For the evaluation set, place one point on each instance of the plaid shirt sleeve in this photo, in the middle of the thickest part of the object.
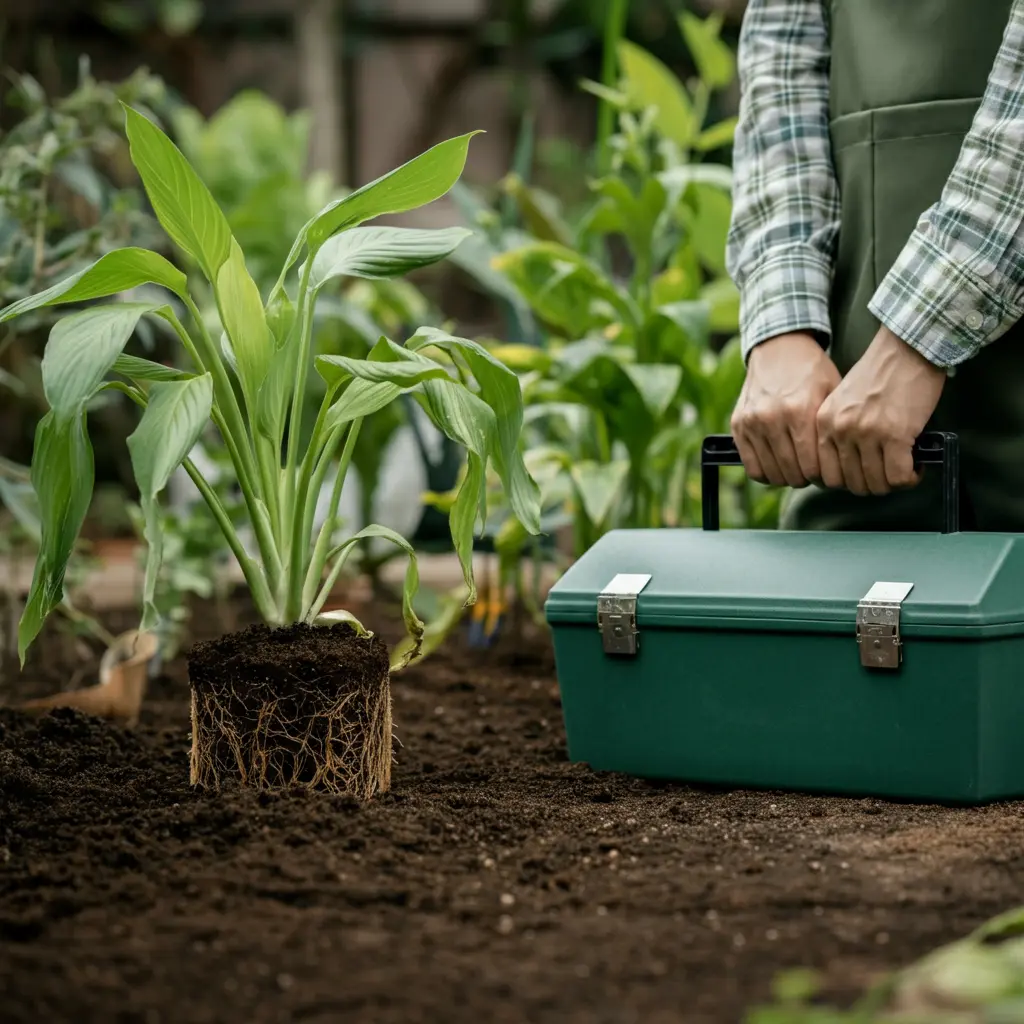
(785, 219)
(958, 284)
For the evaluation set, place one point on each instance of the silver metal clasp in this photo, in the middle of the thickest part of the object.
(878, 625)
(616, 613)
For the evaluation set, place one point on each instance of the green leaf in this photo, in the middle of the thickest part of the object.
(62, 477)
(82, 349)
(421, 180)
(693, 318)
(361, 398)
(717, 136)
(723, 301)
(715, 61)
(657, 383)
(405, 652)
(564, 288)
(652, 85)
(111, 274)
(380, 252)
(245, 323)
(709, 224)
(501, 390)
(406, 374)
(181, 202)
(136, 368)
(599, 485)
(175, 417)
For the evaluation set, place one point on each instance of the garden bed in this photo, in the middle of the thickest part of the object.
(495, 882)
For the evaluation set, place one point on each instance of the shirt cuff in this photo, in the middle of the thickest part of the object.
(938, 307)
(787, 292)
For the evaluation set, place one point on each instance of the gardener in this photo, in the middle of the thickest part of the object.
(878, 244)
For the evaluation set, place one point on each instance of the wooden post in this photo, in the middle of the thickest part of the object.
(318, 28)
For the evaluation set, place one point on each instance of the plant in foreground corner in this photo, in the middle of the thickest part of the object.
(250, 382)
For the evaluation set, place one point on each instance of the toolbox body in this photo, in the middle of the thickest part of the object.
(856, 663)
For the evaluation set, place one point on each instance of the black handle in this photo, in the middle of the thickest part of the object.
(935, 448)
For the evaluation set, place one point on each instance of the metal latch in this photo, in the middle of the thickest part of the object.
(878, 625)
(616, 613)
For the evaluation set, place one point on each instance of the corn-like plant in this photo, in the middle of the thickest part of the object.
(250, 383)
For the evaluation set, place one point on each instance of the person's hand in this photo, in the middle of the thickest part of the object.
(868, 425)
(774, 423)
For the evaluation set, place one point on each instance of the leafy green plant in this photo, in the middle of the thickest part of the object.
(640, 360)
(251, 154)
(250, 382)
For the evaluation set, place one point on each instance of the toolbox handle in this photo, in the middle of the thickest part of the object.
(933, 448)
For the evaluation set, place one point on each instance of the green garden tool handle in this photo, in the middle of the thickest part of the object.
(934, 448)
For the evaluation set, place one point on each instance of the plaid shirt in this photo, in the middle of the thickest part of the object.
(957, 285)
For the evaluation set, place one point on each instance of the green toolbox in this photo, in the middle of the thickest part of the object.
(860, 663)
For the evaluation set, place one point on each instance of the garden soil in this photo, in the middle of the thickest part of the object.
(495, 882)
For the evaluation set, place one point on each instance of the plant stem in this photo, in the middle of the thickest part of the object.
(237, 440)
(291, 466)
(257, 582)
(305, 499)
(323, 542)
(614, 29)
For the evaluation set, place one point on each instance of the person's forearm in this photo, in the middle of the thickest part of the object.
(958, 284)
(785, 200)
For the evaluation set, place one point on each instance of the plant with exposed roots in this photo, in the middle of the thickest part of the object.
(289, 718)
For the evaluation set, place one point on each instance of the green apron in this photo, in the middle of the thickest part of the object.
(907, 77)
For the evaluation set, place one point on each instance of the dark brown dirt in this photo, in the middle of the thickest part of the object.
(494, 883)
(299, 705)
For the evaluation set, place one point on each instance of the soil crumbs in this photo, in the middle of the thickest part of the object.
(496, 882)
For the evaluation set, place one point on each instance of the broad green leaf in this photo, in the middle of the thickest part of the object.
(136, 368)
(423, 179)
(715, 61)
(111, 274)
(693, 318)
(711, 212)
(361, 398)
(652, 85)
(380, 252)
(564, 288)
(82, 349)
(717, 136)
(599, 485)
(657, 383)
(404, 653)
(406, 374)
(181, 202)
(245, 323)
(175, 417)
(470, 422)
(62, 477)
(501, 390)
(723, 301)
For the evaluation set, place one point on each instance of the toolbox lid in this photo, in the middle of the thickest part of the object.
(963, 583)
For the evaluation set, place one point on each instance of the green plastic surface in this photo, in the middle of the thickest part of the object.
(748, 670)
(964, 584)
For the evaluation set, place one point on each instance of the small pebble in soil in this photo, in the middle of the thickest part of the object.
(488, 863)
(506, 924)
(882, 938)
(507, 899)
(771, 935)
(844, 865)
(613, 854)
(285, 982)
(739, 941)
(602, 911)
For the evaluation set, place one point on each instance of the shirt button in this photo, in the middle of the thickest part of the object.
(974, 320)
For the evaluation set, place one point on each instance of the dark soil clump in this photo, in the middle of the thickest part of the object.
(495, 881)
(296, 705)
